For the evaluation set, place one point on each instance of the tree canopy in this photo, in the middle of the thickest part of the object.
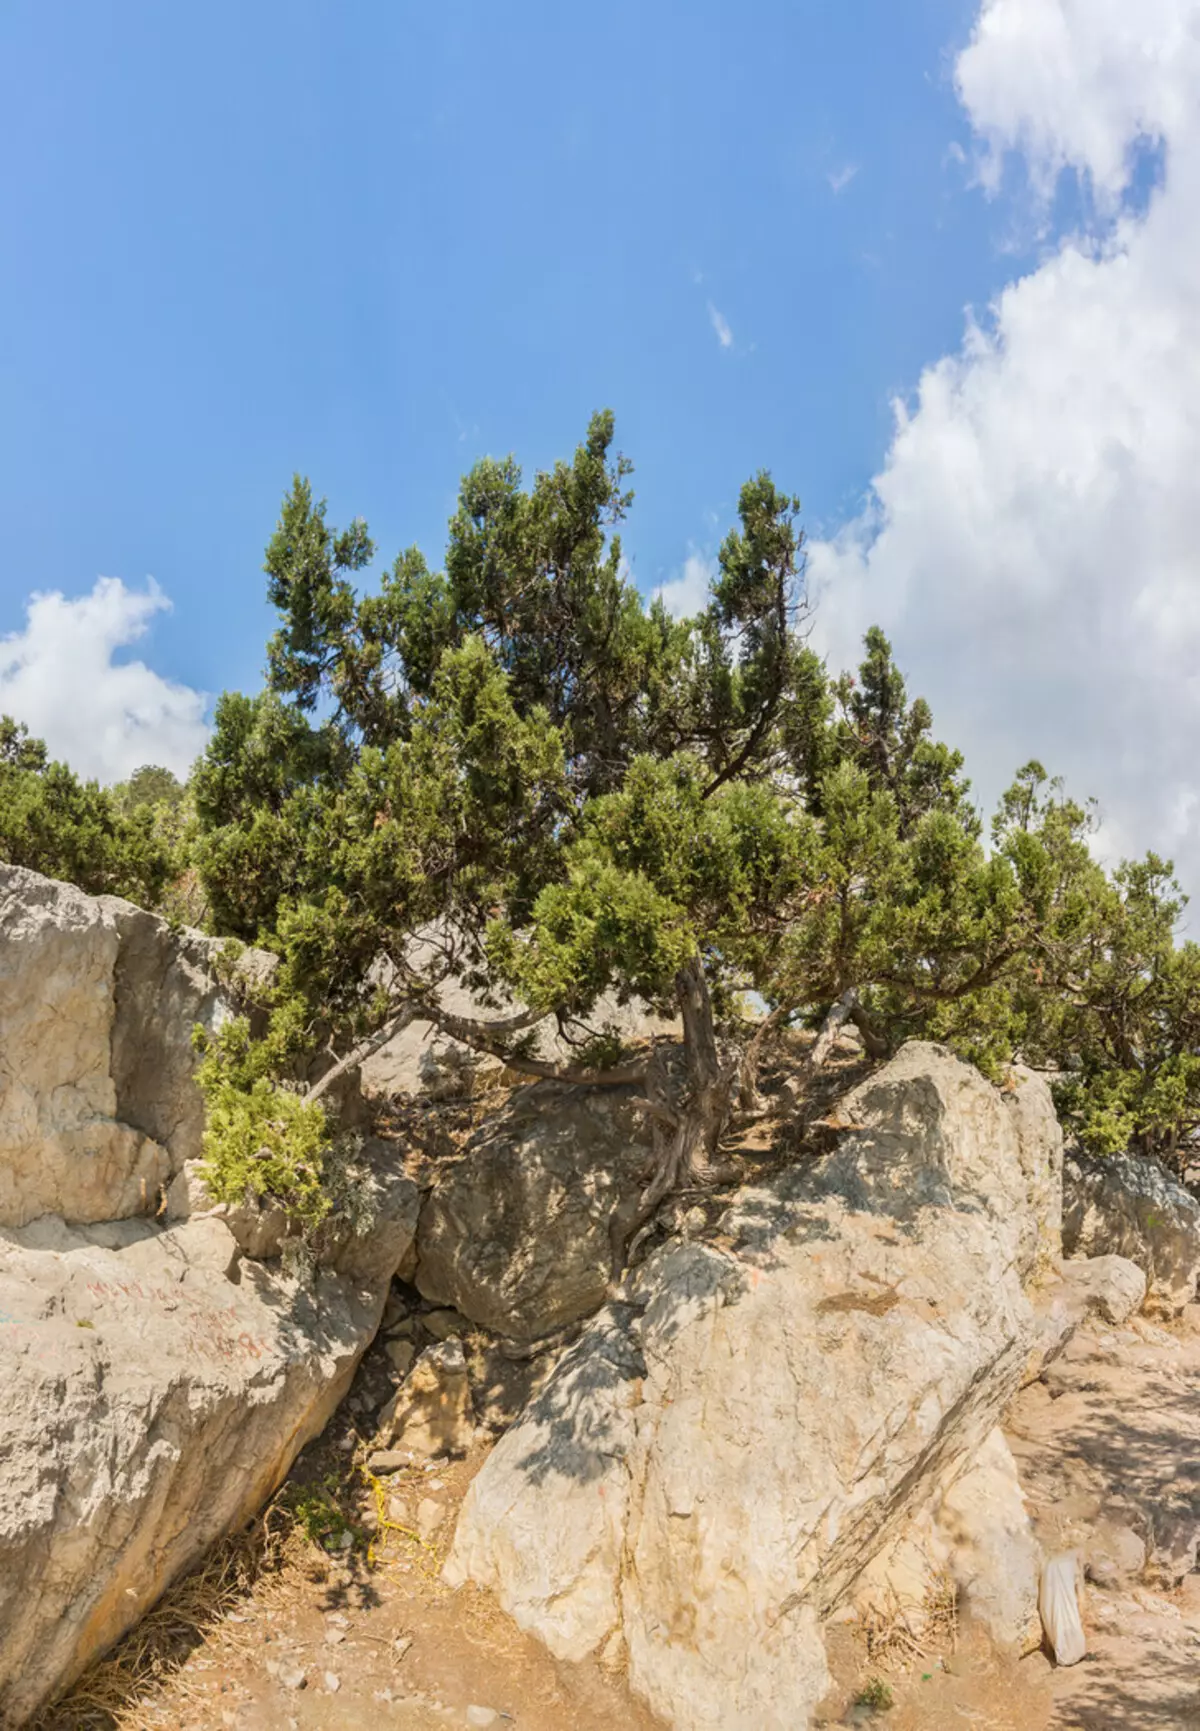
(52, 822)
(517, 772)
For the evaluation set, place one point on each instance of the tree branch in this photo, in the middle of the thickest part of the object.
(832, 1026)
(380, 1037)
(488, 1037)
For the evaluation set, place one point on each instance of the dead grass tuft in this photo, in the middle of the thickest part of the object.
(117, 1692)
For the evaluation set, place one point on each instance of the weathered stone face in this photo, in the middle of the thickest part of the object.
(98, 1000)
(156, 1390)
(715, 1462)
(1125, 1206)
(156, 1385)
(514, 1234)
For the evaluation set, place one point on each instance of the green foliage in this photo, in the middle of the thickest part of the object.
(52, 822)
(319, 1513)
(150, 785)
(517, 773)
(876, 1695)
(263, 1142)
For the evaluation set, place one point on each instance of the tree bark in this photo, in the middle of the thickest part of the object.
(873, 1041)
(687, 1133)
(832, 1026)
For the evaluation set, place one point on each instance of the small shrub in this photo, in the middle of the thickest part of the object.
(876, 1695)
(262, 1142)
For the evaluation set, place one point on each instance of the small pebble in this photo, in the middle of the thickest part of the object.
(482, 1717)
(333, 1637)
(332, 1682)
(401, 1645)
(292, 1677)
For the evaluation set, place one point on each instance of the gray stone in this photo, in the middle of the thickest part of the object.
(1130, 1207)
(383, 1461)
(432, 1415)
(1114, 1555)
(400, 1355)
(714, 1462)
(994, 1558)
(443, 1324)
(1106, 1286)
(514, 1234)
(151, 1404)
(99, 1114)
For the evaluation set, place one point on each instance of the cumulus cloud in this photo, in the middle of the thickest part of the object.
(688, 593)
(720, 325)
(1032, 541)
(102, 715)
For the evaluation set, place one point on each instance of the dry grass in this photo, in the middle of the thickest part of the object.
(117, 1692)
(898, 1635)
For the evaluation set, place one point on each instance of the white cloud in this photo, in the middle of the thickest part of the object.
(104, 717)
(840, 179)
(1077, 83)
(720, 325)
(688, 593)
(1033, 540)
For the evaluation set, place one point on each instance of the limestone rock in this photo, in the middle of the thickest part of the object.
(98, 999)
(1114, 1554)
(929, 1130)
(716, 1460)
(156, 1389)
(1130, 1207)
(1111, 1287)
(432, 1413)
(994, 1557)
(1030, 1104)
(400, 1355)
(1107, 1286)
(515, 1232)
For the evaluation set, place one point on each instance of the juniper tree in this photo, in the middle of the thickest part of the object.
(53, 822)
(518, 772)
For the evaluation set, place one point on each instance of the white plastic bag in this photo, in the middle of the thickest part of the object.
(1058, 1604)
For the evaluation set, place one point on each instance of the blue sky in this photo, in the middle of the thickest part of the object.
(373, 241)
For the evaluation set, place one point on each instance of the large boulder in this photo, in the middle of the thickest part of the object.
(718, 1458)
(157, 1387)
(993, 1557)
(927, 1129)
(1123, 1205)
(98, 1000)
(514, 1233)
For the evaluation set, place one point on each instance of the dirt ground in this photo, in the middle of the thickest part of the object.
(332, 1612)
(300, 1634)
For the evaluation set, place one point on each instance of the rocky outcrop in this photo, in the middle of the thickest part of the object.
(718, 1458)
(157, 1387)
(157, 1384)
(98, 1000)
(514, 1233)
(1126, 1206)
(1106, 1286)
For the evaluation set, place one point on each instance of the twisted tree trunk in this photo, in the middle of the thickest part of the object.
(687, 1133)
